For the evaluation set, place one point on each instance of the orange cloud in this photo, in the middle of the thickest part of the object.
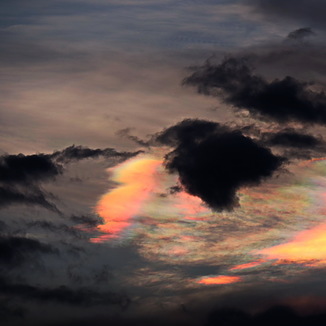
(248, 265)
(222, 279)
(137, 182)
(308, 247)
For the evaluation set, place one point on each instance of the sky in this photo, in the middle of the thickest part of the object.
(162, 162)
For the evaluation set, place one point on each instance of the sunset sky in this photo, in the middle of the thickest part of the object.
(163, 162)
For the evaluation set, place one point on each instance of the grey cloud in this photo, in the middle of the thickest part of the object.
(75, 153)
(91, 221)
(15, 251)
(63, 294)
(292, 138)
(33, 195)
(306, 11)
(301, 33)
(283, 100)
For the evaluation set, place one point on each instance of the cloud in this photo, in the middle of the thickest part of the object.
(32, 195)
(16, 250)
(75, 153)
(126, 133)
(8, 311)
(62, 294)
(213, 161)
(295, 143)
(21, 175)
(300, 33)
(280, 315)
(26, 169)
(55, 228)
(283, 100)
(91, 221)
(305, 11)
(291, 138)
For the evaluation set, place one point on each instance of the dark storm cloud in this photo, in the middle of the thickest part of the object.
(305, 11)
(301, 33)
(213, 161)
(75, 153)
(283, 100)
(16, 250)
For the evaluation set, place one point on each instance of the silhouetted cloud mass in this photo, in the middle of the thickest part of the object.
(281, 99)
(27, 168)
(20, 178)
(213, 161)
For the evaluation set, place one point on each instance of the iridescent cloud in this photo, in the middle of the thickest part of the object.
(308, 247)
(137, 181)
(221, 279)
(277, 223)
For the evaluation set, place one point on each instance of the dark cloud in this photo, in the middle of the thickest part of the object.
(213, 161)
(294, 59)
(281, 99)
(21, 175)
(20, 178)
(304, 11)
(62, 294)
(9, 312)
(294, 144)
(55, 228)
(33, 195)
(75, 153)
(291, 138)
(126, 134)
(90, 221)
(301, 33)
(16, 250)
(27, 169)
(276, 315)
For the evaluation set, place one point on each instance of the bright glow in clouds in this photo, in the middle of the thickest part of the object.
(308, 247)
(137, 182)
(248, 265)
(179, 229)
(222, 279)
